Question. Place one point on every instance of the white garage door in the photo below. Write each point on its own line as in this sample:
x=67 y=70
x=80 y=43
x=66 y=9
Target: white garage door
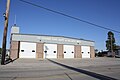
x=27 y=50
x=68 y=51
x=85 y=51
x=50 y=50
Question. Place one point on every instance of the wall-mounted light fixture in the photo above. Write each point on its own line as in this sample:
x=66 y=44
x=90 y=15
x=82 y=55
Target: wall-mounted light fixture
x=4 y=15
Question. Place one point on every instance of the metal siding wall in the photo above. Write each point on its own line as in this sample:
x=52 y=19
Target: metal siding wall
x=51 y=39
x=24 y=38
x=14 y=29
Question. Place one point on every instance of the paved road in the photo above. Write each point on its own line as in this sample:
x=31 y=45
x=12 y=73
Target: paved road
x=62 y=69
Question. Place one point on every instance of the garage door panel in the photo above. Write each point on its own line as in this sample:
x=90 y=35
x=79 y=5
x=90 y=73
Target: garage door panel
x=68 y=51
x=27 y=50
x=85 y=51
x=50 y=50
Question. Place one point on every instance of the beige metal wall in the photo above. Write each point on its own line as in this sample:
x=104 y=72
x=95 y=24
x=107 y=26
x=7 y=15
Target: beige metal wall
x=51 y=39
x=39 y=50
x=14 y=49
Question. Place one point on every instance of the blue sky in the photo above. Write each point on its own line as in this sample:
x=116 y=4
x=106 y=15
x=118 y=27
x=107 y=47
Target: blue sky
x=34 y=20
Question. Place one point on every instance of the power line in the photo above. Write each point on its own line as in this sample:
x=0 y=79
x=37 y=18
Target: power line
x=66 y=15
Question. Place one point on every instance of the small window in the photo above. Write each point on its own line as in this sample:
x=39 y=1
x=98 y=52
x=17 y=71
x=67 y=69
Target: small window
x=72 y=52
x=64 y=51
x=22 y=50
x=88 y=52
x=33 y=50
x=54 y=51
x=82 y=52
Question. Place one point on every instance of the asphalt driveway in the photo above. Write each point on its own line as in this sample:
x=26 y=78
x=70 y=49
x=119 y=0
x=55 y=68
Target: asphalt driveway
x=62 y=69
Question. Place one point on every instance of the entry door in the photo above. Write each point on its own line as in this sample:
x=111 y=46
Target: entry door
x=50 y=50
x=68 y=51
x=85 y=51
x=27 y=50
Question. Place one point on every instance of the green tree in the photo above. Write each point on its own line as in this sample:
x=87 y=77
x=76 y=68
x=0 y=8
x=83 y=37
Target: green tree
x=110 y=42
x=96 y=50
x=0 y=52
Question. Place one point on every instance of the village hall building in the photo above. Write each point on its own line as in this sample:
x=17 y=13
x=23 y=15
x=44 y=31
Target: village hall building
x=48 y=46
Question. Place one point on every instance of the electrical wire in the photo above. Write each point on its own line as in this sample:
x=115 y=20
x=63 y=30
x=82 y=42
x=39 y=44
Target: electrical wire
x=66 y=15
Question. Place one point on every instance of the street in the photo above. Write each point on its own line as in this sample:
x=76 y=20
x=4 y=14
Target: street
x=61 y=69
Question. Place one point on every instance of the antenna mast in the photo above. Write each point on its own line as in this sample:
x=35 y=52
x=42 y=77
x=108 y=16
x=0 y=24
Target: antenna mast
x=15 y=21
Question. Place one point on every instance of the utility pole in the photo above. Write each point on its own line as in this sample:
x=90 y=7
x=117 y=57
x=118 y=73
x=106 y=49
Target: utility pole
x=6 y=15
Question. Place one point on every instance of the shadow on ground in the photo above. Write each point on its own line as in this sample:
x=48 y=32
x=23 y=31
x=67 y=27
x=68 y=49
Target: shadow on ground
x=92 y=74
x=9 y=60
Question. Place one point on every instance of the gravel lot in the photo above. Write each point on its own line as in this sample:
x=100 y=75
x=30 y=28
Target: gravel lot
x=61 y=69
